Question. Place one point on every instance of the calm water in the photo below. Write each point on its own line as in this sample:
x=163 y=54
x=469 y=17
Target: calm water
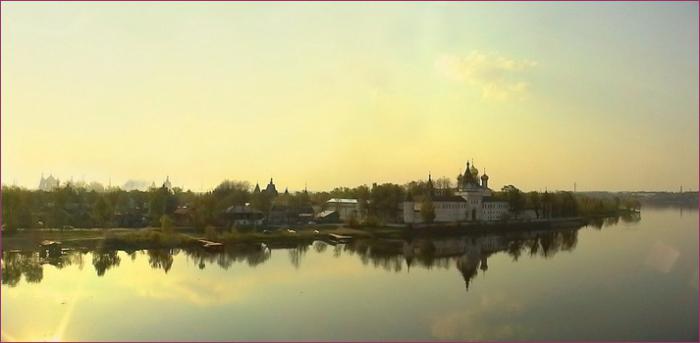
x=627 y=280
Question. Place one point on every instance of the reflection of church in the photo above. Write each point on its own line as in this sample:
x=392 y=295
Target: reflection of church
x=469 y=263
x=472 y=201
x=470 y=253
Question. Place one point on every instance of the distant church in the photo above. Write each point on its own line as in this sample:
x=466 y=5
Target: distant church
x=48 y=184
x=472 y=201
x=270 y=189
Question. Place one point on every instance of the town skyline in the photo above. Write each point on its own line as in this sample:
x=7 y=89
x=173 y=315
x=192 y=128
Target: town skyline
x=380 y=93
x=47 y=182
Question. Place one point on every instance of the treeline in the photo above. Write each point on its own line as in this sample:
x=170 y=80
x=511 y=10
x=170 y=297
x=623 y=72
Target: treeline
x=69 y=206
x=564 y=204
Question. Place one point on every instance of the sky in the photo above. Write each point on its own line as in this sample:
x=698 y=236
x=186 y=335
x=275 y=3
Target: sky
x=540 y=95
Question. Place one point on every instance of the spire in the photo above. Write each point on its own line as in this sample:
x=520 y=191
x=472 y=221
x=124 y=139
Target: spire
x=431 y=190
x=271 y=189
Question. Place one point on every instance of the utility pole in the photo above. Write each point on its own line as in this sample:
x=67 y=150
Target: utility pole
x=574 y=187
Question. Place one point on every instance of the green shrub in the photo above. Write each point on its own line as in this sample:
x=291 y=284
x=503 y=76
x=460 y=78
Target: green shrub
x=211 y=232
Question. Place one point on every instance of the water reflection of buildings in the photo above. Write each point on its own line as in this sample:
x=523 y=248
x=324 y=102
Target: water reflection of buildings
x=468 y=254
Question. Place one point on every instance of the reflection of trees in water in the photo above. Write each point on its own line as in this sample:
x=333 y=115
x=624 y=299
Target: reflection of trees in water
x=320 y=246
x=104 y=260
x=380 y=253
x=31 y=265
x=545 y=244
x=161 y=258
x=252 y=254
x=626 y=217
x=16 y=264
x=467 y=253
x=632 y=217
x=295 y=254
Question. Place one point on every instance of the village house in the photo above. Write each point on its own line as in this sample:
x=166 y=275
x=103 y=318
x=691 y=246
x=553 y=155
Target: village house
x=243 y=215
x=346 y=208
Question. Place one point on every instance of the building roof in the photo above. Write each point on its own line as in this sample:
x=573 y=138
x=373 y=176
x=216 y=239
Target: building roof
x=325 y=214
x=241 y=209
x=448 y=198
x=342 y=201
x=182 y=210
x=271 y=188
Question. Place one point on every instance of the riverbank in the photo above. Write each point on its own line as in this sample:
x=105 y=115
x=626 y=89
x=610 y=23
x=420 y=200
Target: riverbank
x=152 y=238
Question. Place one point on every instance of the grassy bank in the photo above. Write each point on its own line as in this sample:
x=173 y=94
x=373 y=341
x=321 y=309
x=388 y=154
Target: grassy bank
x=153 y=238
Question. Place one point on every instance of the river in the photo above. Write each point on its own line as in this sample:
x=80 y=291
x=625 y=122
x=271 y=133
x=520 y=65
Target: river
x=633 y=279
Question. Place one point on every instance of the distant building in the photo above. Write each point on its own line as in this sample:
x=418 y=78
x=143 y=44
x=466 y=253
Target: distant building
x=183 y=215
x=49 y=183
x=271 y=189
x=283 y=214
x=243 y=215
x=328 y=216
x=472 y=202
x=167 y=184
x=131 y=185
x=346 y=208
x=447 y=209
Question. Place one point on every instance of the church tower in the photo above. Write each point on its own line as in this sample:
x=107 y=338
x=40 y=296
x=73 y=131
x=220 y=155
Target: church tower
x=431 y=188
x=485 y=180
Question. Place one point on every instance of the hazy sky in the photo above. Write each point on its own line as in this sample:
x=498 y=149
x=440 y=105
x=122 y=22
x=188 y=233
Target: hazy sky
x=541 y=95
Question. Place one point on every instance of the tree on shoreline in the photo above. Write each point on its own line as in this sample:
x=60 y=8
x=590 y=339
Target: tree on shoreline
x=427 y=210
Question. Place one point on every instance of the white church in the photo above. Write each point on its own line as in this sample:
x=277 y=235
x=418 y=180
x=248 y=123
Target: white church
x=472 y=202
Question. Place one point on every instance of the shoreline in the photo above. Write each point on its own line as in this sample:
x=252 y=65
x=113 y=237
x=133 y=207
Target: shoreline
x=189 y=237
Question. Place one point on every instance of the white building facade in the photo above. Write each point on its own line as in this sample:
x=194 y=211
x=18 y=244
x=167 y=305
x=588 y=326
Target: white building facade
x=472 y=202
x=346 y=208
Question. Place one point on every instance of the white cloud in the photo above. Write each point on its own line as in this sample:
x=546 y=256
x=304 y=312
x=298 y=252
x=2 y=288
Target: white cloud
x=498 y=77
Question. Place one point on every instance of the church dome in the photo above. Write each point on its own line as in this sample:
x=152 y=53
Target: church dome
x=474 y=171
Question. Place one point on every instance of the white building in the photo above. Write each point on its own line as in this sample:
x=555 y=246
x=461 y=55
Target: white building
x=493 y=210
x=447 y=209
x=346 y=208
x=476 y=203
x=48 y=184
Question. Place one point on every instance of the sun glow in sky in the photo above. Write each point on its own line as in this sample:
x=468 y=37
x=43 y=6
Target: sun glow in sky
x=341 y=94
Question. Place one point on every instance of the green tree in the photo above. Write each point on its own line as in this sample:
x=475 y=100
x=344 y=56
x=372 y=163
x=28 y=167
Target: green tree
x=166 y=224
x=515 y=198
x=385 y=200
x=427 y=210
x=102 y=212
x=535 y=202
x=162 y=202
